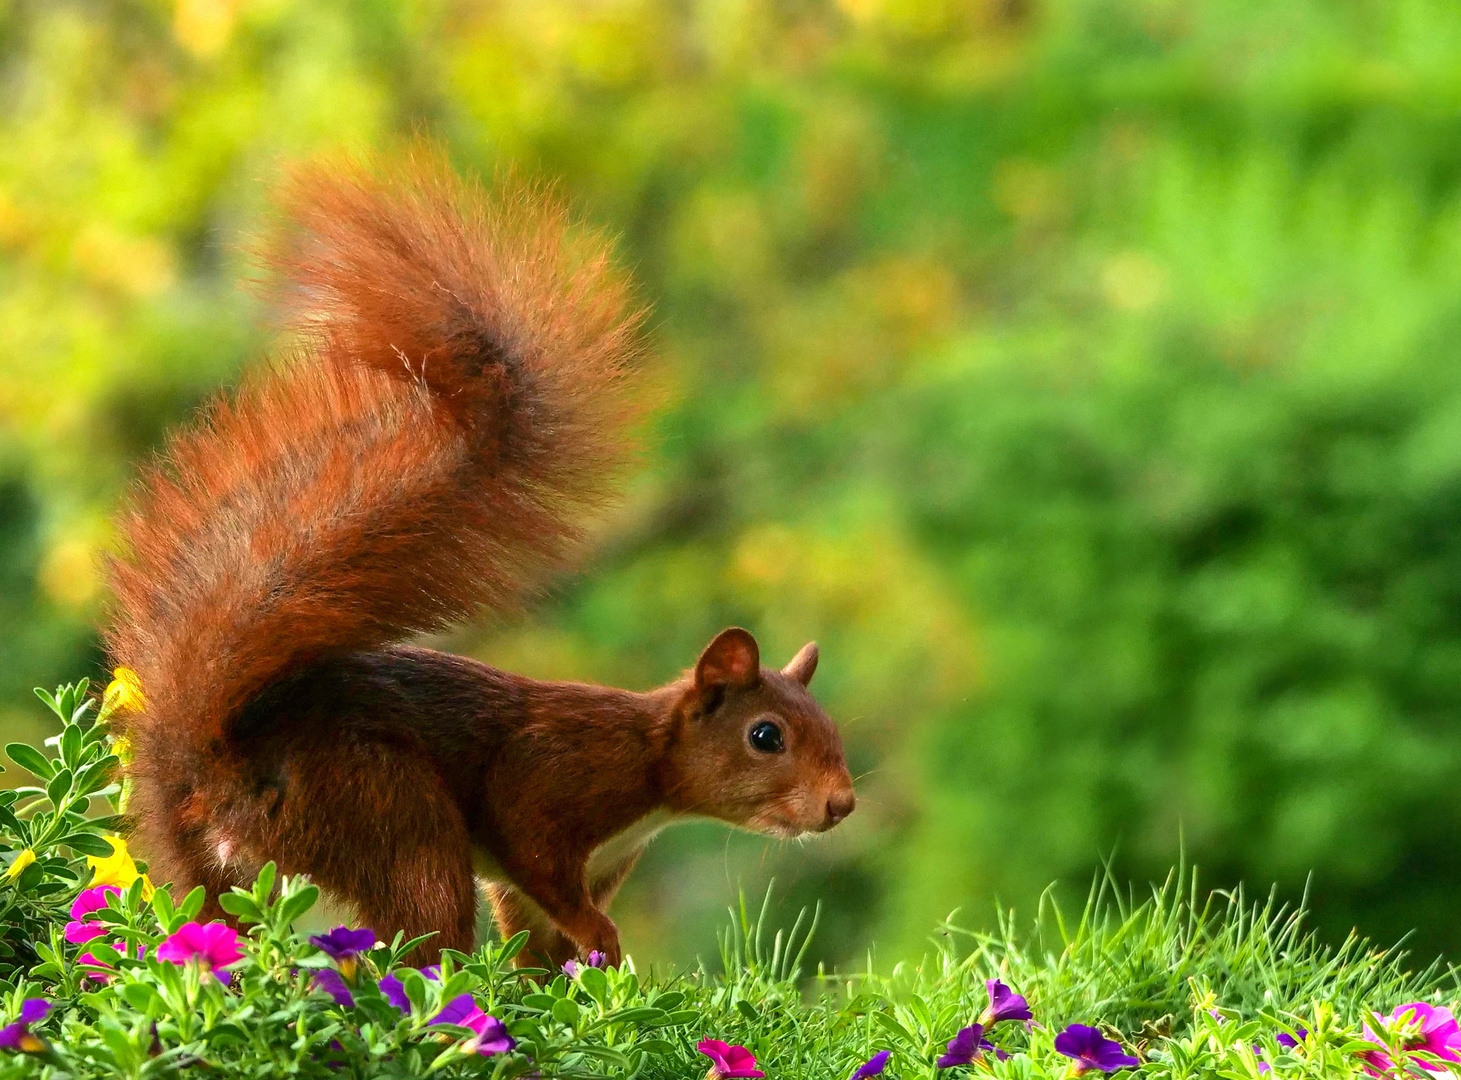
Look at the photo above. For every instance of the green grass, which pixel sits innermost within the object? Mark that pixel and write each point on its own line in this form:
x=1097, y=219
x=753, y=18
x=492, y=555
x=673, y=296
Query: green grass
x=1148, y=969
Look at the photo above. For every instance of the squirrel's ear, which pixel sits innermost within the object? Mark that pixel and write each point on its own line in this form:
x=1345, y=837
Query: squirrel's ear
x=803, y=665
x=732, y=659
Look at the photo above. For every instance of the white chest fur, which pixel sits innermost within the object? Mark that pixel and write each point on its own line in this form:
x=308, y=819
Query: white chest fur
x=605, y=857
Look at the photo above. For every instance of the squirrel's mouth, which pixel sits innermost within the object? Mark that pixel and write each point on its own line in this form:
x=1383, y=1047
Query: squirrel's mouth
x=778, y=826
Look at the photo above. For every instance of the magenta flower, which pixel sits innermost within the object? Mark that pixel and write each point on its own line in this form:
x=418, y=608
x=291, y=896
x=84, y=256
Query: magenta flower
x=727, y=1061
x=344, y=945
x=212, y=946
x=17, y=1035
x=1004, y=1004
x=489, y=1034
x=79, y=930
x=331, y=982
x=1092, y=1050
x=1422, y=1028
x=873, y=1066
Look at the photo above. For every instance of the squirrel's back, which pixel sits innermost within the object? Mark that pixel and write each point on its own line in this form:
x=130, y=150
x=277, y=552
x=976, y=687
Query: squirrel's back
x=453, y=413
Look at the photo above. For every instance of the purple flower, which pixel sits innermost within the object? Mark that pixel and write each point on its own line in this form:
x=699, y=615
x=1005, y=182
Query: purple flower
x=1285, y=1039
x=17, y=1035
x=874, y=1065
x=595, y=960
x=213, y=946
x=1425, y=1028
x=331, y=982
x=395, y=993
x=343, y=945
x=727, y=1061
x=1004, y=1004
x=1092, y=1050
x=964, y=1047
x=79, y=930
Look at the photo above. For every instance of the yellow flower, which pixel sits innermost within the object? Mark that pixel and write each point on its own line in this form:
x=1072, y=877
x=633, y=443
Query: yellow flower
x=122, y=747
x=24, y=859
x=117, y=868
x=123, y=692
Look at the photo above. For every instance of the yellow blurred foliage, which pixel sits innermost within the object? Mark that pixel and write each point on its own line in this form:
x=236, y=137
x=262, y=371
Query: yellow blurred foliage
x=136, y=265
x=70, y=573
x=203, y=26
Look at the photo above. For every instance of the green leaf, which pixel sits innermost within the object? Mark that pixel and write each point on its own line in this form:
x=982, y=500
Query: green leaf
x=643, y=1014
x=139, y=995
x=414, y=987
x=241, y=905
x=746, y=1009
x=264, y=883
x=86, y=843
x=71, y=745
x=104, y=953
x=30, y=759
x=120, y=1044
x=298, y=903
x=565, y=1011
x=193, y=903
x=660, y=1047
x=514, y=945
x=594, y=982
x=895, y=1028
x=542, y=1002
x=605, y=1054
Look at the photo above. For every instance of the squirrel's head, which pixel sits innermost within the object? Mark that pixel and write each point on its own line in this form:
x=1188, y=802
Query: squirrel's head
x=752, y=747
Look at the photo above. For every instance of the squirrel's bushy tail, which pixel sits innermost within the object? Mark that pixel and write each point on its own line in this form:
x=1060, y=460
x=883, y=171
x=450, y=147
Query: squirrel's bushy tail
x=454, y=415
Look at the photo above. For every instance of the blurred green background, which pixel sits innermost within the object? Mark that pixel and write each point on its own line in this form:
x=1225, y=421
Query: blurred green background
x=1081, y=374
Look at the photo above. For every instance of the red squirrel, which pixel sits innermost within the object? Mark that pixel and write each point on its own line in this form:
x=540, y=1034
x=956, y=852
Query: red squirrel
x=455, y=408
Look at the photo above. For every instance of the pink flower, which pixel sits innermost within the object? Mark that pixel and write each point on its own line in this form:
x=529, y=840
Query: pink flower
x=213, y=946
x=727, y=1061
x=1422, y=1028
x=79, y=930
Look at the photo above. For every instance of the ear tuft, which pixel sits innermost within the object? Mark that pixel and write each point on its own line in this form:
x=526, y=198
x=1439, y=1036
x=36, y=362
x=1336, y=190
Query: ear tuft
x=803, y=665
x=732, y=659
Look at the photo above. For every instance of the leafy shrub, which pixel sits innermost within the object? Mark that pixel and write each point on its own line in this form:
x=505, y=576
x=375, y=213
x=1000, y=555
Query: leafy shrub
x=1180, y=984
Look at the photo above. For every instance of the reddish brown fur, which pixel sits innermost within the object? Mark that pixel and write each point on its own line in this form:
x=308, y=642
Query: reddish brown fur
x=454, y=416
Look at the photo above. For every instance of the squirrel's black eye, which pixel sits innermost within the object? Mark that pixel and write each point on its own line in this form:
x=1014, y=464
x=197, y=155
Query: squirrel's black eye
x=766, y=737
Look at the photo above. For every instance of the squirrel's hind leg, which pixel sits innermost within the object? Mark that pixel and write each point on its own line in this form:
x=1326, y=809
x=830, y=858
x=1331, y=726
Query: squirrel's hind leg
x=373, y=824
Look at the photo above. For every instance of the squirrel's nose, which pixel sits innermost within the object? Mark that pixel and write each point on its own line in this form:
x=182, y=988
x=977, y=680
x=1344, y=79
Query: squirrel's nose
x=839, y=806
